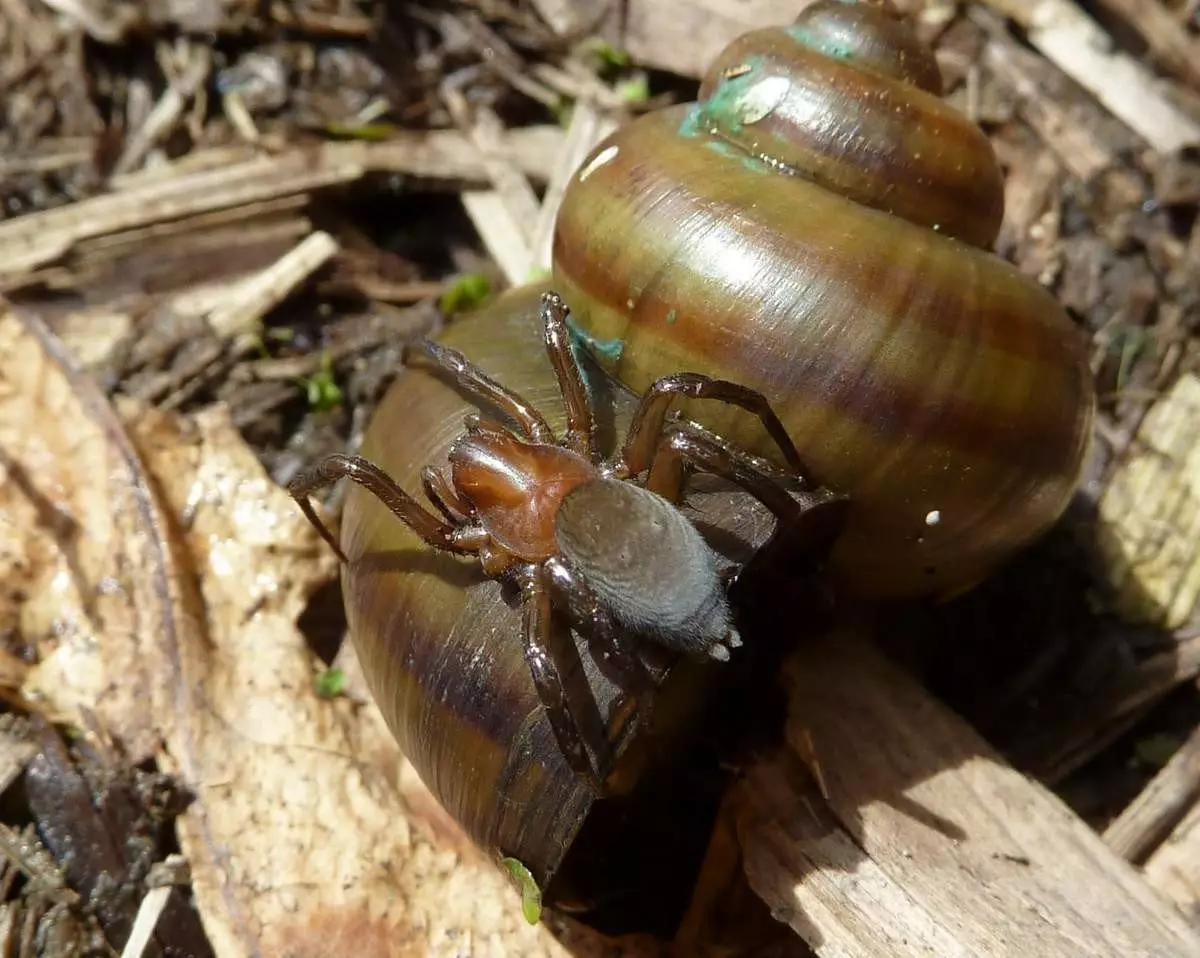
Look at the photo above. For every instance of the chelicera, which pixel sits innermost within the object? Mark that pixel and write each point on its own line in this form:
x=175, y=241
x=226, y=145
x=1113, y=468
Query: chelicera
x=599, y=539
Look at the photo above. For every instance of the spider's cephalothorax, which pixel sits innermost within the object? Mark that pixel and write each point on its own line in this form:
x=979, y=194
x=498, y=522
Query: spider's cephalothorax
x=602, y=538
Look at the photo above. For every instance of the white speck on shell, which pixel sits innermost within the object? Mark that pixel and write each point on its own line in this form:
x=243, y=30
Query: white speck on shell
x=605, y=156
x=933, y=517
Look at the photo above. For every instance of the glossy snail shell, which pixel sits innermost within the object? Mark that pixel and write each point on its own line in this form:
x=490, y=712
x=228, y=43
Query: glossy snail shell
x=440, y=644
x=815, y=228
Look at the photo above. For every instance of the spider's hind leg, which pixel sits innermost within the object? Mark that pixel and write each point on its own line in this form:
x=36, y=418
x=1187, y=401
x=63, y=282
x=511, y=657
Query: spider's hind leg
x=584, y=744
x=812, y=519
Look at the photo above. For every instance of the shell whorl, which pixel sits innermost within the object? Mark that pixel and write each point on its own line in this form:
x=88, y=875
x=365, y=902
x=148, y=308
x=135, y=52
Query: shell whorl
x=849, y=98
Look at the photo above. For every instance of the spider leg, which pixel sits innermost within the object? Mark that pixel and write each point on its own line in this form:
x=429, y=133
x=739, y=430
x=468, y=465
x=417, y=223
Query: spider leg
x=581, y=424
x=441, y=492
x=441, y=535
x=647, y=425
x=536, y=628
x=817, y=516
x=479, y=384
x=585, y=607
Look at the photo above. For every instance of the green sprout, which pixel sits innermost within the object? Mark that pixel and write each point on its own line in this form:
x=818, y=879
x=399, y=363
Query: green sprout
x=366, y=132
x=323, y=392
x=531, y=895
x=635, y=90
x=607, y=56
x=465, y=293
x=330, y=683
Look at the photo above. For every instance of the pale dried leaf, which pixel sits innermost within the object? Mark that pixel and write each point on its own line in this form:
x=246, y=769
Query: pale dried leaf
x=84, y=583
x=300, y=842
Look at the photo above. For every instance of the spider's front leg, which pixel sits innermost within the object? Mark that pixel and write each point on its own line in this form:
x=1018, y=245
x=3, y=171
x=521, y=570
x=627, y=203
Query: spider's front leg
x=581, y=423
x=816, y=519
x=463, y=539
x=482, y=386
x=584, y=745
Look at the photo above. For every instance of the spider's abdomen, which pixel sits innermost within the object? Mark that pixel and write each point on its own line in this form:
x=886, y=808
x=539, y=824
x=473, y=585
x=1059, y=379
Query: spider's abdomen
x=647, y=564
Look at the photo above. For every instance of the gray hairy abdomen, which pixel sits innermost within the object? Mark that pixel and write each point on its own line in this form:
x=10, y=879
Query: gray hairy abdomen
x=646, y=563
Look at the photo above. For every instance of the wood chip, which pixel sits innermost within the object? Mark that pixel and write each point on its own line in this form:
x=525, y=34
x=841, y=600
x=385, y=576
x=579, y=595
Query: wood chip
x=1149, y=515
x=1160, y=806
x=929, y=844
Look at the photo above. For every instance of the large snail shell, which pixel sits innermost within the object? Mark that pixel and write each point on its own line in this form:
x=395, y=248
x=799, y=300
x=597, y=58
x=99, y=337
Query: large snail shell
x=814, y=228
x=440, y=644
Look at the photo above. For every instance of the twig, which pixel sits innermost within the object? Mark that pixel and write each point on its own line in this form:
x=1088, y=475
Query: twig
x=270, y=287
x=167, y=110
x=1160, y=805
x=1171, y=44
x=36, y=240
x=505, y=215
x=588, y=127
x=1074, y=144
x=1081, y=49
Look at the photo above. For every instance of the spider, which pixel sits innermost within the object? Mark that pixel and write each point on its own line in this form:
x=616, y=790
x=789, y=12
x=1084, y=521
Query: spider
x=578, y=531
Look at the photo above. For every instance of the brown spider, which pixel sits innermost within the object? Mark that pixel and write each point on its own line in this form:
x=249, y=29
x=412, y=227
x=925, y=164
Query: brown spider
x=569, y=526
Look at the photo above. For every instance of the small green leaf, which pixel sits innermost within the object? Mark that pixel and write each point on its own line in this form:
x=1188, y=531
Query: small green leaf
x=636, y=90
x=330, y=683
x=537, y=274
x=609, y=57
x=323, y=392
x=531, y=895
x=465, y=293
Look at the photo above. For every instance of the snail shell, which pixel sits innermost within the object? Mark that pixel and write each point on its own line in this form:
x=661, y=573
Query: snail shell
x=815, y=227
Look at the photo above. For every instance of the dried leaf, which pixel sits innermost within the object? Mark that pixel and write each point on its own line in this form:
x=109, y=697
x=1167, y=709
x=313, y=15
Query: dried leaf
x=86, y=585
x=166, y=603
x=299, y=843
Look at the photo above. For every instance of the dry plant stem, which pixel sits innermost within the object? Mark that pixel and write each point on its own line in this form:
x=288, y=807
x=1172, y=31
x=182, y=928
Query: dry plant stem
x=237, y=317
x=503, y=215
x=148, y=914
x=1081, y=49
x=1075, y=145
x=929, y=843
x=1160, y=806
x=167, y=111
x=36, y=240
x=588, y=127
x=272, y=286
x=1172, y=45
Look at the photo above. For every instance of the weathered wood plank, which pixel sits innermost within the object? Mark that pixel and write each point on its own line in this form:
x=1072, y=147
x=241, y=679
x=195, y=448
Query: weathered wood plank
x=927, y=842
